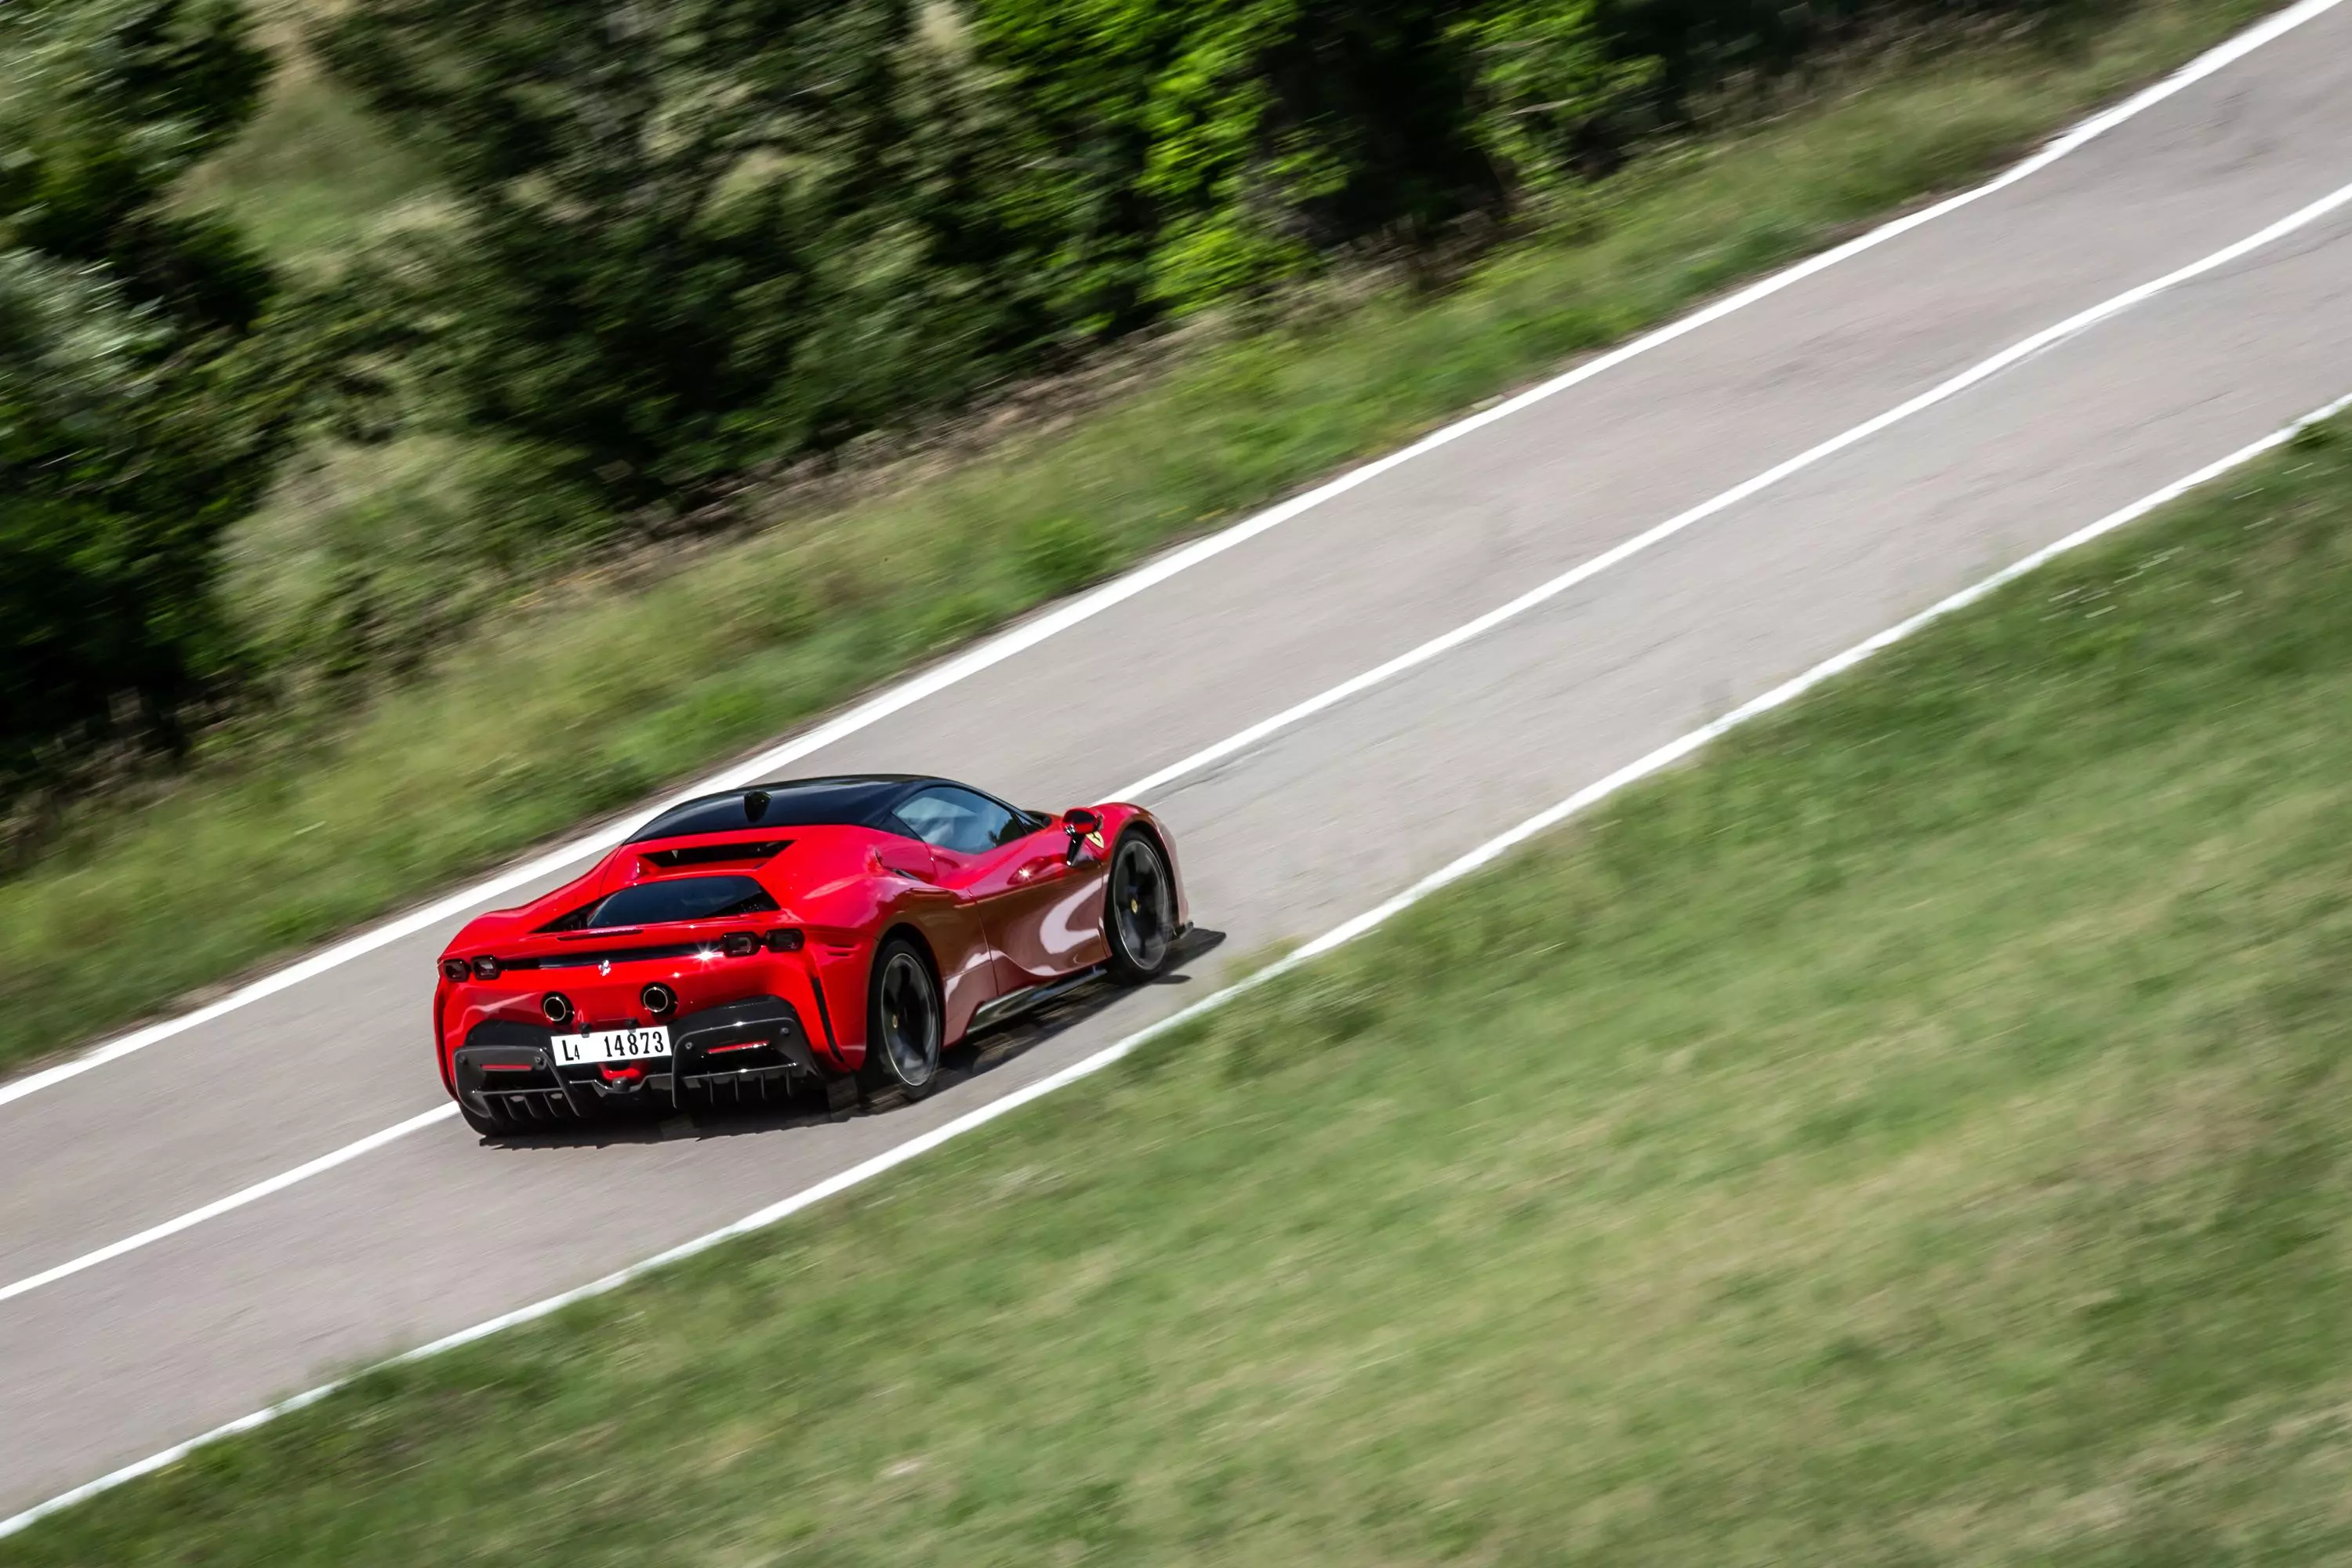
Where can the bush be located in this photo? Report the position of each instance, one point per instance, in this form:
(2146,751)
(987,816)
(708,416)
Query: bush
(697,236)
(135,422)
(1210,147)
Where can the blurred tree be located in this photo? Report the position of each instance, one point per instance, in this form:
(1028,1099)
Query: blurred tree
(706,234)
(135,420)
(695,234)
(1286,129)
(1554,86)
(1195,149)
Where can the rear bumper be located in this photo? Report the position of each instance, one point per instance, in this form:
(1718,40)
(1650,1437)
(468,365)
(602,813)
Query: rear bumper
(745,1052)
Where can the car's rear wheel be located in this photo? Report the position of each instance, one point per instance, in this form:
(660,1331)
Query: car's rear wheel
(1139,909)
(904,1024)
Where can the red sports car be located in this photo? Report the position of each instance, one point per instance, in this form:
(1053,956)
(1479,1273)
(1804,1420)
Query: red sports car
(832,935)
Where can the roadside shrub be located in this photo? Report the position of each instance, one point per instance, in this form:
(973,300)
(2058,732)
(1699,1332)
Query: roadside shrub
(1212,147)
(137,418)
(695,236)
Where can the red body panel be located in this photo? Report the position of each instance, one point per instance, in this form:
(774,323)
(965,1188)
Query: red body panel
(1019,915)
(1043,915)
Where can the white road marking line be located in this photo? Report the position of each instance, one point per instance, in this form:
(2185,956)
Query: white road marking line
(1421,655)
(1446,641)
(1000,648)
(236,1200)
(1453,871)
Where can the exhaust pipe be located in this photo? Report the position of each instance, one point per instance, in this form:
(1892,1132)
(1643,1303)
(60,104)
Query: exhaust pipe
(556,1007)
(658,998)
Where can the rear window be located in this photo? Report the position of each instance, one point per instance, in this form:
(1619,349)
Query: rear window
(679,899)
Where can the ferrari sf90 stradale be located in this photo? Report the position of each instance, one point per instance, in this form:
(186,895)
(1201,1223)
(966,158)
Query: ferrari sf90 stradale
(830,935)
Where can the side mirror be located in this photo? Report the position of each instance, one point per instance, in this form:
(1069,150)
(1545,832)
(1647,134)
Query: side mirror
(1081,825)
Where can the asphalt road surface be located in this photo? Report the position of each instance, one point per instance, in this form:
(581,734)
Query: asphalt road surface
(1285,838)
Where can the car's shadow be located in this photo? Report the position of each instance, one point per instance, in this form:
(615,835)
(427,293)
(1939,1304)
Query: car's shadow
(984,1052)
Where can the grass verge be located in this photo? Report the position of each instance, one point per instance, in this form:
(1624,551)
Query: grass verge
(280,840)
(1915,1133)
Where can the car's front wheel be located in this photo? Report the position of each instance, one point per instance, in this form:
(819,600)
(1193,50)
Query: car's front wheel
(1139,909)
(904,1024)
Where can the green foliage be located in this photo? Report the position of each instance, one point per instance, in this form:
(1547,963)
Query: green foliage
(1217,146)
(136,421)
(1284,130)
(108,102)
(702,236)
(697,239)
(1553,88)
(697,236)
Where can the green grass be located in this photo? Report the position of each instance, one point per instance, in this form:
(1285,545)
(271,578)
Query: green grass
(1913,1133)
(586,698)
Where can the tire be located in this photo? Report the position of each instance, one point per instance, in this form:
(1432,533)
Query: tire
(904,1024)
(1139,910)
(494,1125)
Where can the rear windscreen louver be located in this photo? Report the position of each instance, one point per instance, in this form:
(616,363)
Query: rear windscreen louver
(716,854)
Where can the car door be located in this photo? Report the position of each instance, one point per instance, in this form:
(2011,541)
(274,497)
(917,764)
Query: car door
(1042,914)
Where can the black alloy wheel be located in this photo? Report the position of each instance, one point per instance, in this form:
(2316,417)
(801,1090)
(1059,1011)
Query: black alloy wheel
(1139,910)
(904,1024)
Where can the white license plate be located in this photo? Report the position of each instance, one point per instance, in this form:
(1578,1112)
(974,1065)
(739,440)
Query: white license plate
(611,1046)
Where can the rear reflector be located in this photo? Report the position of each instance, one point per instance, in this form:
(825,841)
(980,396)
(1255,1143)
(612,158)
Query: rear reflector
(744,1046)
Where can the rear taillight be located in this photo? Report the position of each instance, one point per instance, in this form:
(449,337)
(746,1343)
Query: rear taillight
(785,939)
(738,944)
(486,968)
(454,970)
